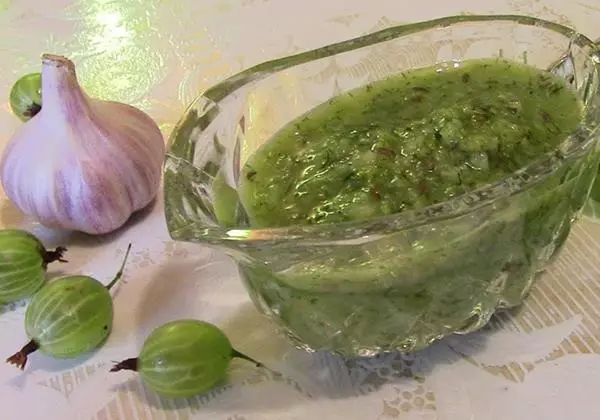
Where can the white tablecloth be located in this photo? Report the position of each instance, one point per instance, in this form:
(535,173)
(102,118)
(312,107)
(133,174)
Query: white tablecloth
(538,363)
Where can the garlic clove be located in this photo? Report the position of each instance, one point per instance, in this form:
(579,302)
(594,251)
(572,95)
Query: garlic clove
(82,163)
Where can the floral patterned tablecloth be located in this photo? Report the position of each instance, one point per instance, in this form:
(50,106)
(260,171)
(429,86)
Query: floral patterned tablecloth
(540,362)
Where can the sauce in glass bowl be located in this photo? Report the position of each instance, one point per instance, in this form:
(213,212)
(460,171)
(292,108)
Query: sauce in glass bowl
(407,142)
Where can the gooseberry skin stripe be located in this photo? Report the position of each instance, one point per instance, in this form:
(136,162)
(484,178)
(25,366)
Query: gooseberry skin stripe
(33,272)
(17,272)
(20,291)
(53,300)
(74,332)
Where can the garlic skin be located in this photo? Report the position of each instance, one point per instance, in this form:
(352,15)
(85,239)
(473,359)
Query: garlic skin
(81,164)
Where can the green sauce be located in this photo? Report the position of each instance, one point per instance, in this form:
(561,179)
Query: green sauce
(410,141)
(405,143)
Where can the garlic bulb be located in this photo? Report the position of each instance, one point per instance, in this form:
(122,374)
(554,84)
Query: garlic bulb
(81,163)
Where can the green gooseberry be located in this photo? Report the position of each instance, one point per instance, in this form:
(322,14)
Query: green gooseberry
(183,358)
(23,264)
(68,317)
(26,96)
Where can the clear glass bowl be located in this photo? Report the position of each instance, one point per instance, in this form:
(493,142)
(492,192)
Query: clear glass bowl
(398,282)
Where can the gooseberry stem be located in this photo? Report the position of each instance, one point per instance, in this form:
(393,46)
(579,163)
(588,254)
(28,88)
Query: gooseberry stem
(120,272)
(239,355)
(127,364)
(19,359)
(32,110)
(51,256)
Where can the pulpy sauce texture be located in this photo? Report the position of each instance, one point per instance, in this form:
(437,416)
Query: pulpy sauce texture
(410,141)
(413,140)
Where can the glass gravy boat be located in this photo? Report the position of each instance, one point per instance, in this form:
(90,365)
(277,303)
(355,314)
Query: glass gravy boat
(398,282)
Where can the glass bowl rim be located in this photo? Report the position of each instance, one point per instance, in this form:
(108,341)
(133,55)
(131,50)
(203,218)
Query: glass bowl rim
(460,205)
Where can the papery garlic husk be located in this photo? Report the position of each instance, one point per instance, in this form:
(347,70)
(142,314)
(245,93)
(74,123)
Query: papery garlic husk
(81,164)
